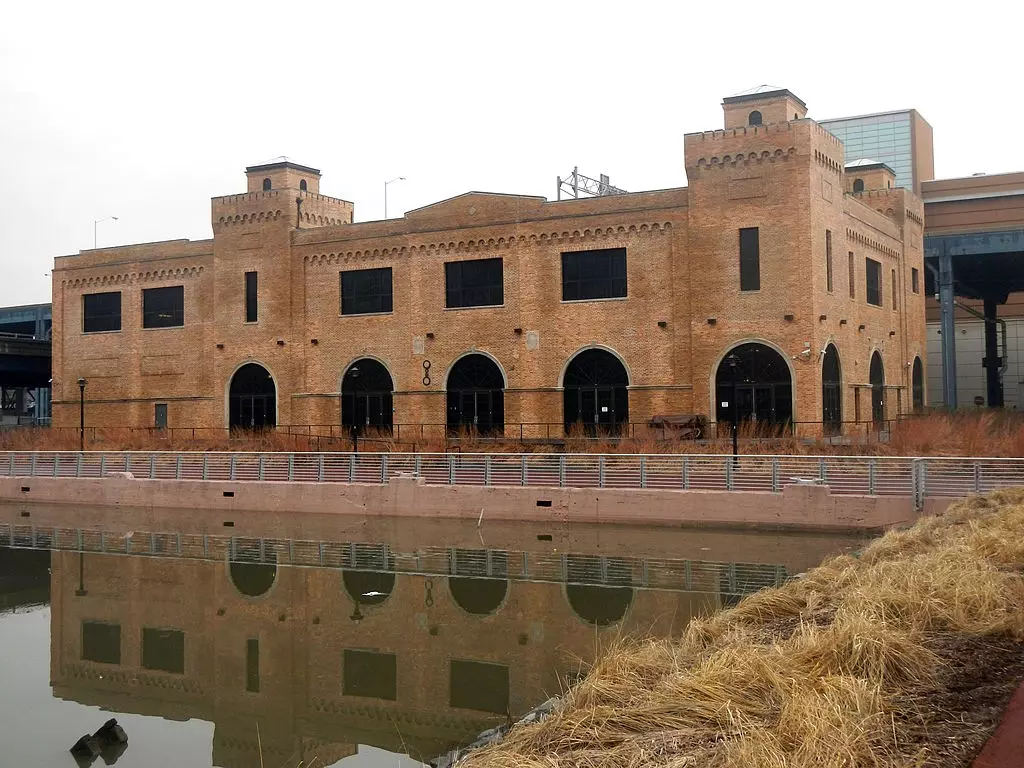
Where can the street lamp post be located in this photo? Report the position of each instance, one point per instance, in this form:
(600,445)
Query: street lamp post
(81,414)
(95,222)
(81,592)
(733,361)
(355,373)
(397,178)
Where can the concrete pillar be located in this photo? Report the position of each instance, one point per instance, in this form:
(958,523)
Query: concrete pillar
(992,361)
(946,299)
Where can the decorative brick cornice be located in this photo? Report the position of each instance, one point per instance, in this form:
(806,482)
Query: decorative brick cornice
(129,278)
(852,234)
(828,162)
(246,219)
(746,158)
(565,237)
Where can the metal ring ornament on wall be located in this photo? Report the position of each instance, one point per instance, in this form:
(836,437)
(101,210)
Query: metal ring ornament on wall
(426,381)
(426,374)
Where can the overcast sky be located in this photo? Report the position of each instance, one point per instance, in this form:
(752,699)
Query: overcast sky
(145,111)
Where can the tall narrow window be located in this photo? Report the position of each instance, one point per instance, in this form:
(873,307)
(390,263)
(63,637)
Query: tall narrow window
(366,291)
(852,268)
(915,278)
(160,415)
(858,186)
(251,297)
(252,665)
(163,307)
(895,296)
(101,312)
(266,185)
(828,260)
(750,259)
(598,274)
(754,118)
(302,185)
(476,283)
(873,281)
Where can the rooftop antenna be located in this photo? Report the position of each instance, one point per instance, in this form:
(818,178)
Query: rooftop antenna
(576,184)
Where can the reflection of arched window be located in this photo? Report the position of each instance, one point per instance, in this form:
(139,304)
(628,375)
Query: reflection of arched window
(595,392)
(302,185)
(754,118)
(476,395)
(858,185)
(368,587)
(366,395)
(478,580)
(917,384)
(253,398)
(831,391)
(252,579)
(266,185)
(877,388)
(754,383)
(736,581)
(598,587)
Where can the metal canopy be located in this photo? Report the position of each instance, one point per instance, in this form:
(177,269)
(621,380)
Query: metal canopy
(24,362)
(985,264)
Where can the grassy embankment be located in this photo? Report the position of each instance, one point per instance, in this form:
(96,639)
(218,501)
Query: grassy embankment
(904,656)
(964,434)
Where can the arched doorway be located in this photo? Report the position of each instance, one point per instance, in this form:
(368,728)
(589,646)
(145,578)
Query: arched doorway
(476,395)
(753,383)
(252,399)
(595,392)
(366,395)
(831,392)
(917,384)
(877,378)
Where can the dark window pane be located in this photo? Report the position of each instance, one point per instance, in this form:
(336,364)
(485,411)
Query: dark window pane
(479,686)
(365,291)
(476,283)
(163,650)
(101,642)
(597,274)
(374,675)
(853,277)
(873,280)
(251,297)
(914,280)
(828,260)
(163,307)
(101,312)
(750,259)
(252,665)
(160,415)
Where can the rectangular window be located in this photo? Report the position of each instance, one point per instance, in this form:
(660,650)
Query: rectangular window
(163,650)
(252,665)
(750,259)
(476,283)
(598,274)
(915,277)
(478,685)
(828,260)
(873,281)
(163,307)
(251,297)
(160,415)
(101,642)
(895,298)
(366,291)
(101,312)
(853,277)
(374,675)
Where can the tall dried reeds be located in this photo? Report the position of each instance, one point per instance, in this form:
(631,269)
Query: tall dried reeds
(814,673)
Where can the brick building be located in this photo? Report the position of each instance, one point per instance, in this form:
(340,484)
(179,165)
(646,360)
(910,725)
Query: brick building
(766,289)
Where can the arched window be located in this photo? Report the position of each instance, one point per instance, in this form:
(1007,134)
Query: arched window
(476,395)
(858,185)
(366,395)
(917,384)
(595,392)
(252,399)
(831,392)
(754,118)
(753,383)
(266,185)
(302,185)
(877,377)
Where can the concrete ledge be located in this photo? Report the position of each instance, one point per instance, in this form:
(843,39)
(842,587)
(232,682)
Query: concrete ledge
(798,506)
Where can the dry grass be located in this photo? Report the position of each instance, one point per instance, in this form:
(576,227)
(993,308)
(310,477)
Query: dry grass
(819,672)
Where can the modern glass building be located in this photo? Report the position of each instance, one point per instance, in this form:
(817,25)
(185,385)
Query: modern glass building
(901,140)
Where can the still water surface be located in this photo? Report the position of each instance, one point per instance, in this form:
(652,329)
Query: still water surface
(418,636)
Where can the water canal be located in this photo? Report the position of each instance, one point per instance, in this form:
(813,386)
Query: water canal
(374,642)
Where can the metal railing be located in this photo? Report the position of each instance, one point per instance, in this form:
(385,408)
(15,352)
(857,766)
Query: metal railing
(866,475)
(728,578)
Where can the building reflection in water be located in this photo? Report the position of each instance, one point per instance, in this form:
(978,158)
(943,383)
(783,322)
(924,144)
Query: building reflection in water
(325,659)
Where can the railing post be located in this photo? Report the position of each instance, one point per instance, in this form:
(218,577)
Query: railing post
(78,465)
(320,468)
(822,470)
(231,470)
(451,469)
(776,487)
(152,466)
(728,473)
(177,467)
(922,483)
(291,467)
(259,465)
(600,471)
(351,467)
(977,477)
(688,576)
(561,470)
(10,471)
(872,469)
(383,469)
(56,464)
(205,473)
(643,471)
(522,469)
(419,464)
(686,472)
(32,465)
(487,469)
